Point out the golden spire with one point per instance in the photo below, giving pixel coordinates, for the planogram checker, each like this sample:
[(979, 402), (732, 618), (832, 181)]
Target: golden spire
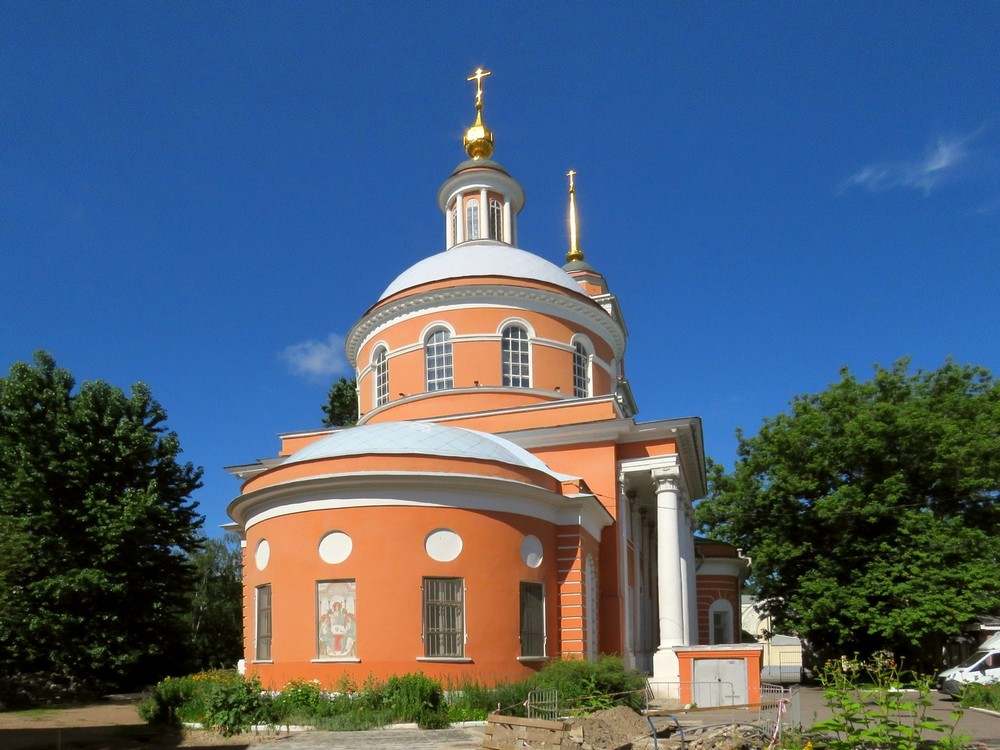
[(479, 138), (575, 253)]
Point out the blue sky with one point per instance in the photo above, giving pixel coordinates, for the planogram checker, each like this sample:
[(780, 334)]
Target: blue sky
[(207, 196)]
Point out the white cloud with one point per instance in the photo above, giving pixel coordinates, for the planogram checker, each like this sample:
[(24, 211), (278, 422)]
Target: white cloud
[(924, 173), (317, 358)]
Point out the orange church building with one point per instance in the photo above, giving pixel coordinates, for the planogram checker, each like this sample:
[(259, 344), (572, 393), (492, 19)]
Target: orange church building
[(497, 504)]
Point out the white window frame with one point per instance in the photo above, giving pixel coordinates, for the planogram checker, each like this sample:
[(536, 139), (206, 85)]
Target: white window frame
[(515, 362), (380, 376), (529, 634), (496, 219), (263, 621), (725, 608), (583, 369), (439, 364), (472, 219)]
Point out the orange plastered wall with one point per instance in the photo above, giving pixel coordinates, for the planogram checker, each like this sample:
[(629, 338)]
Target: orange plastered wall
[(388, 562), (476, 360), (647, 450), (751, 656), (597, 464), (574, 545)]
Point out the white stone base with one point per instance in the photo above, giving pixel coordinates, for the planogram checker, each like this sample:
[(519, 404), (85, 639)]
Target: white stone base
[(666, 679)]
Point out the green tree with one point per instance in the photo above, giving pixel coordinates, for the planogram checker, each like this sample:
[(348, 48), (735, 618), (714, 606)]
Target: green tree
[(97, 525), (216, 613), (870, 510), (341, 407)]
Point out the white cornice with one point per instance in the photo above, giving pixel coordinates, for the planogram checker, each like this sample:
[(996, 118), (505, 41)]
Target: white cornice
[(439, 490), (580, 310)]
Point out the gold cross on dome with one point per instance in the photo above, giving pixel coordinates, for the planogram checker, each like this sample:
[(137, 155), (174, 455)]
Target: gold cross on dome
[(478, 77), (571, 174)]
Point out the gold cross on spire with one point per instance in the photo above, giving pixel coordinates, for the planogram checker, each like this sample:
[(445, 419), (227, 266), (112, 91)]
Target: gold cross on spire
[(478, 77)]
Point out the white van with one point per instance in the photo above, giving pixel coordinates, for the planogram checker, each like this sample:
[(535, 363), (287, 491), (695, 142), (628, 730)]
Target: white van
[(982, 666)]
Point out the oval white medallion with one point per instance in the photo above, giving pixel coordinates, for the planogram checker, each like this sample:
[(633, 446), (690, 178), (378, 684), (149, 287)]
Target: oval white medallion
[(531, 551), (443, 545), (335, 547), (262, 554)]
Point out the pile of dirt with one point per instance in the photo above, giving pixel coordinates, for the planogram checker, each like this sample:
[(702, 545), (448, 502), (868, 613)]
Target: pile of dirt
[(612, 729)]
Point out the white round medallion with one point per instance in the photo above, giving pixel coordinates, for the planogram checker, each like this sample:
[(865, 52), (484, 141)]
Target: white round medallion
[(335, 547), (443, 545), (531, 551), (262, 554)]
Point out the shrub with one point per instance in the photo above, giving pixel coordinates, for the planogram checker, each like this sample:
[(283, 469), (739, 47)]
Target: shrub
[(233, 709), (299, 701), (416, 697), (219, 699), (981, 696), (592, 685)]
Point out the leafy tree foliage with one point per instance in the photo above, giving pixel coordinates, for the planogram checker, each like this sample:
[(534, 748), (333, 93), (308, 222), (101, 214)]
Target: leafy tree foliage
[(870, 510), (341, 408), (216, 610), (96, 522)]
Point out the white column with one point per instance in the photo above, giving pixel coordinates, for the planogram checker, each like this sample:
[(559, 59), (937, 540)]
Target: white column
[(508, 224), (484, 216), (669, 573), (668, 566)]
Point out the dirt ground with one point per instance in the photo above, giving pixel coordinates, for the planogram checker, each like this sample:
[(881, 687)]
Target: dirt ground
[(104, 726)]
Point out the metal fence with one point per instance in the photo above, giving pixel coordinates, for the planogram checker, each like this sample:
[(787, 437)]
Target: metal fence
[(543, 704)]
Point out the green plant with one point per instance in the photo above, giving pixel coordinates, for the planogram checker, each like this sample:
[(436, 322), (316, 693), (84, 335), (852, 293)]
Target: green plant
[(982, 696), (178, 700), (872, 706), (233, 709), (593, 699), (299, 700), (416, 697), (605, 682)]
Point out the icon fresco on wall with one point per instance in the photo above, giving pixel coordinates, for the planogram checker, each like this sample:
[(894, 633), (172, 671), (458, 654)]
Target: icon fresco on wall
[(336, 625)]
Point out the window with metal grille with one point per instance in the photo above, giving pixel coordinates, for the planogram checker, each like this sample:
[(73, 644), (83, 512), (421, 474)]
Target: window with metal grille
[(496, 220), (472, 219), (581, 371), (444, 617), (437, 357), (380, 369), (262, 651), (532, 619), (516, 369)]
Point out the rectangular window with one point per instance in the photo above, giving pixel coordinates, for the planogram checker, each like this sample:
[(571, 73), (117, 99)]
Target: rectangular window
[(532, 619), (720, 627), (444, 617), (262, 652), (336, 620), (438, 360)]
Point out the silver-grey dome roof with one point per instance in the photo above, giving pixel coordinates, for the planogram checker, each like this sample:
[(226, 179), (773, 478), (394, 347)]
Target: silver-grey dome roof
[(420, 438), (485, 258)]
